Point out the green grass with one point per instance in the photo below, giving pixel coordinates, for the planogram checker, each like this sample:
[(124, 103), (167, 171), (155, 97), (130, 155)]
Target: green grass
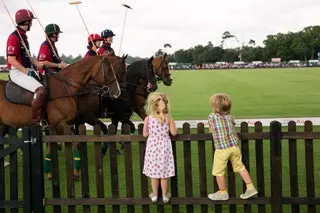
[(255, 93)]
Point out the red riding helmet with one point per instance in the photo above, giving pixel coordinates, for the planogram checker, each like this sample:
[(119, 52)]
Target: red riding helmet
[(94, 37), (24, 15)]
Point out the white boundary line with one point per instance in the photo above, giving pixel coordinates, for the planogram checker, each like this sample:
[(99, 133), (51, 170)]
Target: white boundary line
[(251, 121)]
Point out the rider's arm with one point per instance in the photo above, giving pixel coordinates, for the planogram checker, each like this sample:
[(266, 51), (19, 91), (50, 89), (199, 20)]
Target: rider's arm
[(46, 58), (15, 63), (13, 46)]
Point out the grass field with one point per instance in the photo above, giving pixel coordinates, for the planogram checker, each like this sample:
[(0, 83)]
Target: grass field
[(255, 94)]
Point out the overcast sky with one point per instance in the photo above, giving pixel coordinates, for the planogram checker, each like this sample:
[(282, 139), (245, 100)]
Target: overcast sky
[(151, 23)]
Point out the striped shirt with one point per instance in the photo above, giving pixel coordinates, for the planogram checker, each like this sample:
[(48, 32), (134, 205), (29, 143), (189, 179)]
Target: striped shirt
[(223, 131)]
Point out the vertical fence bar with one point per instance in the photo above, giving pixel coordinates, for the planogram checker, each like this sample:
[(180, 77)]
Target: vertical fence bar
[(84, 169), (309, 166), (174, 179), (187, 166), (202, 167), (27, 181), (99, 168), (114, 169), (69, 170), (260, 167), (37, 169), (218, 207), (13, 171), (55, 171), (143, 178), (128, 167), (245, 159), (293, 166), (276, 167)]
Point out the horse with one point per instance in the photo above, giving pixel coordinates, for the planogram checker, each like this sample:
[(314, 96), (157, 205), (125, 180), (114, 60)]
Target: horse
[(161, 69), (104, 107), (61, 107), (134, 97)]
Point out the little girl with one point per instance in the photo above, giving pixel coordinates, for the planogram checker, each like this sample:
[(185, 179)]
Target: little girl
[(158, 161)]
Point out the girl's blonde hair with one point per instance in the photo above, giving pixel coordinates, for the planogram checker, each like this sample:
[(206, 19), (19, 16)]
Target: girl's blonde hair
[(158, 106), (221, 103)]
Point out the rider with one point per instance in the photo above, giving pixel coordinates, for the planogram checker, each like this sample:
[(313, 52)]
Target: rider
[(47, 55), (21, 65), (94, 42), (106, 48)]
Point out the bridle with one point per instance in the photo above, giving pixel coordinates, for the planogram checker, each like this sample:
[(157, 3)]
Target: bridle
[(94, 89)]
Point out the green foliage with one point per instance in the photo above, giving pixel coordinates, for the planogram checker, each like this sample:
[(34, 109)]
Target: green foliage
[(302, 45)]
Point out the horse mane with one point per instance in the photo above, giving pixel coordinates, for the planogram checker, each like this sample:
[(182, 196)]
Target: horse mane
[(81, 63)]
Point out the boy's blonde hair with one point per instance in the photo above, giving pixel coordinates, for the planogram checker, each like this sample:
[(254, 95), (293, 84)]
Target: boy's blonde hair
[(158, 106), (221, 103)]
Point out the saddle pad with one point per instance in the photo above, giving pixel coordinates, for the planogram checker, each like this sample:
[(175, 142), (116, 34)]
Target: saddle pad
[(18, 95)]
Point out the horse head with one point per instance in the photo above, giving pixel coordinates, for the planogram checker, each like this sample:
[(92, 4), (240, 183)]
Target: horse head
[(119, 63), (161, 67), (106, 76), (141, 74)]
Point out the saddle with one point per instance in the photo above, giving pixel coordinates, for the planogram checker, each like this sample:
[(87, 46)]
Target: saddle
[(16, 94)]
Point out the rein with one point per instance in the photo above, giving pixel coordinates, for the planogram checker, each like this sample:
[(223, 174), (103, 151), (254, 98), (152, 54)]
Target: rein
[(98, 90)]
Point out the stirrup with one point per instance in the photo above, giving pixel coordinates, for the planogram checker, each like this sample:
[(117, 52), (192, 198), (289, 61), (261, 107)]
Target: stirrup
[(44, 124)]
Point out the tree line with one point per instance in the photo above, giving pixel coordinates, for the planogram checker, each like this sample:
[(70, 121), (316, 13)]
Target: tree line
[(302, 45)]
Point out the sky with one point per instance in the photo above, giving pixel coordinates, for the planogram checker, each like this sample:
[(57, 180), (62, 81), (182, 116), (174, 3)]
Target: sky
[(151, 23)]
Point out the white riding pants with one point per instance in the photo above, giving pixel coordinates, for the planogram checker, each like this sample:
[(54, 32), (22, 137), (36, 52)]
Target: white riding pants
[(23, 80)]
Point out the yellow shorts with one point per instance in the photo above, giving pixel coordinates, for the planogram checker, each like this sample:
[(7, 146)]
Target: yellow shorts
[(221, 157)]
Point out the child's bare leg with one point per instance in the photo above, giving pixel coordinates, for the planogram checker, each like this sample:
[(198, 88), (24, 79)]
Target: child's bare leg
[(247, 179), (245, 176), (164, 186), (221, 183), (155, 185)]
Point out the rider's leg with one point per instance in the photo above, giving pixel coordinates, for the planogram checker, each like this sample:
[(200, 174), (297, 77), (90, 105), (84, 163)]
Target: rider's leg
[(31, 84)]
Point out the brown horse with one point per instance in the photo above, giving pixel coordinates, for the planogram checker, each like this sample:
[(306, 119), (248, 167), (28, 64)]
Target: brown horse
[(63, 87)]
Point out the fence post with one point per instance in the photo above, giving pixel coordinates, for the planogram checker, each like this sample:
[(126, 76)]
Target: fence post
[(37, 169), (27, 194), (276, 171)]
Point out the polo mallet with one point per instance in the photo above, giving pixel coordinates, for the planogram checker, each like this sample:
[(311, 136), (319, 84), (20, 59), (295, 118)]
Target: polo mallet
[(124, 24), (21, 39), (84, 23), (50, 43)]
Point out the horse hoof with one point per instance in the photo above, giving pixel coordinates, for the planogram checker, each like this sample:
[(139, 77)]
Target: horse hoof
[(118, 152)]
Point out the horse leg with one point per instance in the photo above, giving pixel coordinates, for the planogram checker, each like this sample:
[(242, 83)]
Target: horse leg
[(115, 121)]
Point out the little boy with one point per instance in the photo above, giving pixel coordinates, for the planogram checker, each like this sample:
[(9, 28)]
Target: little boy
[(225, 138)]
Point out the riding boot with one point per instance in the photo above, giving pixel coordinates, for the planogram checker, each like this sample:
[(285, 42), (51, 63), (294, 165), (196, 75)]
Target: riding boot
[(39, 98)]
